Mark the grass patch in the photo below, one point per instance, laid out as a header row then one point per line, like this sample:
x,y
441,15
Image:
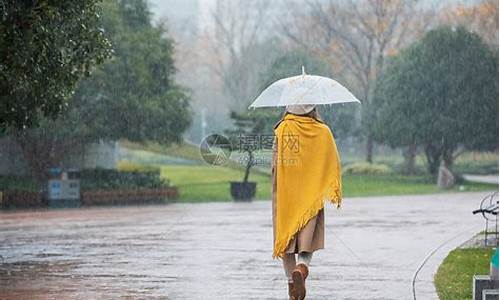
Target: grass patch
x,y
364,168
156,154
453,279
182,150
385,185
471,162
200,183
482,163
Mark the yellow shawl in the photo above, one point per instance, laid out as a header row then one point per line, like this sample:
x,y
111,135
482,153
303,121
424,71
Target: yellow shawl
x,y
307,173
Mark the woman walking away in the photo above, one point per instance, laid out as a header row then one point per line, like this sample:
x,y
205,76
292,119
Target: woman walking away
x,y
306,172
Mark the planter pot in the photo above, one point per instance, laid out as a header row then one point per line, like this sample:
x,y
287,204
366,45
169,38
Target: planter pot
x,y
243,191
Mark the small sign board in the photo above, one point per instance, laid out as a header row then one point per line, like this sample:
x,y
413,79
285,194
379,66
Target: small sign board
x,y
60,189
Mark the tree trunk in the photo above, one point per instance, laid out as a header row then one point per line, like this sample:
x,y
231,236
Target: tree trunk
x,y
249,166
368,120
433,156
448,158
42,151
409,155
369,148
446,178
37,156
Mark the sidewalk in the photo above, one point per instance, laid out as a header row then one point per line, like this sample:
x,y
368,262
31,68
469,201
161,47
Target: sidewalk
x,y
223,250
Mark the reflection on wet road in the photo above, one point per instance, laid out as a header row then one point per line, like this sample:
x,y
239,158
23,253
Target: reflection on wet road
x,y
223,250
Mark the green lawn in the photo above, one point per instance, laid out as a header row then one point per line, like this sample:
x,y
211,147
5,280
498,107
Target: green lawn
x,y
210,183
453,279
182,150
465,163
477,163
381,185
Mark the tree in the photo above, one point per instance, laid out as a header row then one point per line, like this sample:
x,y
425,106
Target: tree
x,y
397,121
246,136
480,18
132,96
442,94
355,37
238,49
47,46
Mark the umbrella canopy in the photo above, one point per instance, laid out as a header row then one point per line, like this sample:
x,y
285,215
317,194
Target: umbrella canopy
x,y
303,89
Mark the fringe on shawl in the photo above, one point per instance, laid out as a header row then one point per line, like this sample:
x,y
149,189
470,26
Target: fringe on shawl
x,y
332,194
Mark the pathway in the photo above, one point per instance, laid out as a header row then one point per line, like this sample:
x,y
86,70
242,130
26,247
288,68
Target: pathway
x,y
223,250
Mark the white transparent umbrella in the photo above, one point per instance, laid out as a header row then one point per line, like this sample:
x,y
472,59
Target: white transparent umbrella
x,y
303,89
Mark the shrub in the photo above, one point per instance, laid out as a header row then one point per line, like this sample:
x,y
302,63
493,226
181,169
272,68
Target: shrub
x,y
364,168
115,179
19,183
128,166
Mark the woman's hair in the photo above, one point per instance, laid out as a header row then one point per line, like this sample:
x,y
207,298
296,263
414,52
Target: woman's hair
x,y
312,114
315,115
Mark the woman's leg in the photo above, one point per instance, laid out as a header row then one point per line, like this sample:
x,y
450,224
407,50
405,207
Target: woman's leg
x,y
289,264
305,258
300,273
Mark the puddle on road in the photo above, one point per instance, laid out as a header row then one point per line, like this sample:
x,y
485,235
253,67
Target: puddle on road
x,y
35,279
62,280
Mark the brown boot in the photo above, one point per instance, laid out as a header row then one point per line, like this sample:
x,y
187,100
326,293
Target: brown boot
x,y
299,276
291,291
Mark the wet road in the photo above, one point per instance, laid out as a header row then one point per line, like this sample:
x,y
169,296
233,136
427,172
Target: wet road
x,y
223,250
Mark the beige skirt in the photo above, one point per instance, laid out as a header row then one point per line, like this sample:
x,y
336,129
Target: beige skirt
x,y
311,237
